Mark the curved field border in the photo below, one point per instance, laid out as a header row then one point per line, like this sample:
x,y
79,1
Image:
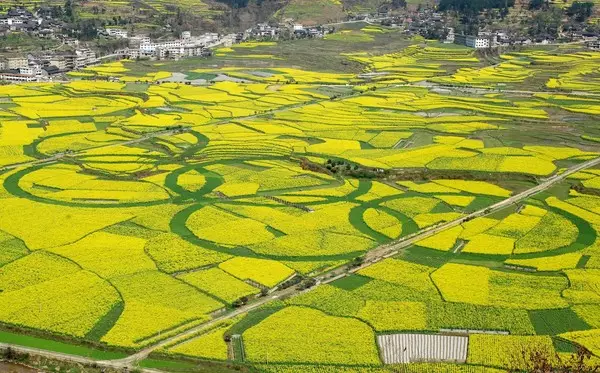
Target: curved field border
x,y
213,181
586,237
11,185
178,226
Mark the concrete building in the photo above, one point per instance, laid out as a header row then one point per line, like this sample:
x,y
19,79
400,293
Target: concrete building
x,y
593,45
58,61
477,42
149,48
85,57
194,51
187,46
16,76
17,62
117,32
33,73
71,42
450,36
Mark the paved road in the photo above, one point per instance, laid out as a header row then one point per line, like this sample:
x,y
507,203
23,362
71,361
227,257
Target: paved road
x,y
130,360
109,56
67,357
369,21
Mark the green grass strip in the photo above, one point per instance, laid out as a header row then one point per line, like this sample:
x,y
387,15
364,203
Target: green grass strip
x,y
65,348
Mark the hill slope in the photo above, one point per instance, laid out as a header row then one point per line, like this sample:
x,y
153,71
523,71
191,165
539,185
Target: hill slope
x,y
211,14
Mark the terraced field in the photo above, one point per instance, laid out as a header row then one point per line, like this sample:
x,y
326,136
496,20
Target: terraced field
x,y
136,210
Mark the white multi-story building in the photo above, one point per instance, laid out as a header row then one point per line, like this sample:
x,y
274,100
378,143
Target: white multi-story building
x,y
85,57
32,73
149,48
17,77
187,46
477,42
117,32
58,61
34,70
228,40
12,21
133,53
26,71
18,62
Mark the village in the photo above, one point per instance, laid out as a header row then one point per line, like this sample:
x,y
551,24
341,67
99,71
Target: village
x,y
74,54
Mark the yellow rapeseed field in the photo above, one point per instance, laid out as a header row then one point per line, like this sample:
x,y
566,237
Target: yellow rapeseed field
x,y
265,272
220,284
137,208
284,337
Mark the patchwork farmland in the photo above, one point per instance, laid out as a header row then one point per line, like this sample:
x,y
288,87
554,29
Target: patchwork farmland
x,y
287,219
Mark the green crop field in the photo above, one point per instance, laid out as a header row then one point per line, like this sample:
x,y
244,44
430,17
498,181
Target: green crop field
x,y
140,210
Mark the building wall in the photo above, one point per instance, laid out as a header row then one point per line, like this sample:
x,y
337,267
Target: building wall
x,y
17,62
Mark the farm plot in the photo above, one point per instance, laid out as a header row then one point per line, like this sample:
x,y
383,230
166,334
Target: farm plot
x,y
339,341
488,77
507,351
479,285
530,231
407,348
416,62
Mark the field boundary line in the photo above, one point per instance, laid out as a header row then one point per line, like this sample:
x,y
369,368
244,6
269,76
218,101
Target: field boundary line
x,y
371,257
375,255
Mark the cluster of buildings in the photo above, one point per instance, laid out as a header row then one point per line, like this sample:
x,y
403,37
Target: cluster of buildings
x,y
200,46
22,20
18,19
186,46
287,29
436,25
117,32
593,45
484,40
40,67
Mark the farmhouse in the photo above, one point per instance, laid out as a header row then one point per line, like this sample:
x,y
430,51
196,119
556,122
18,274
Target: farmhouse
x,y
28,74
187,46
117,32
477,42
593,45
